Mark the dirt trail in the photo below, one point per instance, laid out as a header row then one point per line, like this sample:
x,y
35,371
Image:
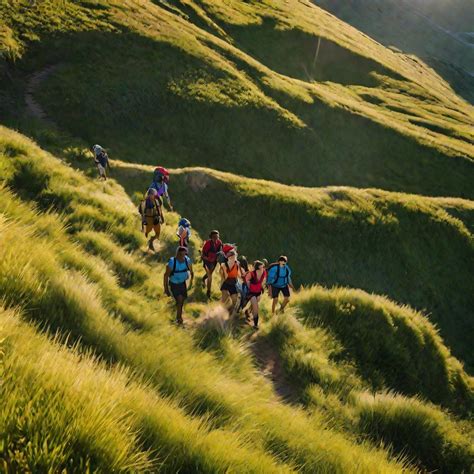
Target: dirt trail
x,y
270,365
34,81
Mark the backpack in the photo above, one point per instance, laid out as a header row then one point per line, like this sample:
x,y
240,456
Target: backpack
x,y
150,208
222,254
277,276
161,174
213,249
173,271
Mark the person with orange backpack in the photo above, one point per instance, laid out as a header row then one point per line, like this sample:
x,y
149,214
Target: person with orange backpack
x,y
255,281
209,252
151,213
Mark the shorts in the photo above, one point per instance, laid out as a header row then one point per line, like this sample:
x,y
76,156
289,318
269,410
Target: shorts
x,y
229,286
179,289
285,291
210,265
101,169
150,225
251,295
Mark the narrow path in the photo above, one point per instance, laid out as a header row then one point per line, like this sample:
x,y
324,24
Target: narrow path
x,y
34,81
270,365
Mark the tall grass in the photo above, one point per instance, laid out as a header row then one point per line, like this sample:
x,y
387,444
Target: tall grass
x,y
51,291
393,346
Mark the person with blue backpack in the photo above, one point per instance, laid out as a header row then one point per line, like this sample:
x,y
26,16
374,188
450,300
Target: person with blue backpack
x,y
178,271
279,281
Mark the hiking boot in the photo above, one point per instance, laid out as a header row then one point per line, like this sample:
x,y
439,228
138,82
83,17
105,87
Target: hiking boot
x,y
247,314
256,327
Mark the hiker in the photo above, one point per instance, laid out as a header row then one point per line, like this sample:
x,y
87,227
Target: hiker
x,y
209,252
184,232
161,178
152,215
279,281
231,271
101,159
255,281
243,287
178,271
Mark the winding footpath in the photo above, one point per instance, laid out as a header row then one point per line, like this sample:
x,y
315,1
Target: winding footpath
x,y
34,81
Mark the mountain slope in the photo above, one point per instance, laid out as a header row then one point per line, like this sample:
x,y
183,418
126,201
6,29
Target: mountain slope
x,y
439,32
155,81
405,246
203,405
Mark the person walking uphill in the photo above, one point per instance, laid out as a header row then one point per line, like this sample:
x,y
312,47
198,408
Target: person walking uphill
x,y
231,272
279,281
178,271
152,215
209,252
255,281
101,159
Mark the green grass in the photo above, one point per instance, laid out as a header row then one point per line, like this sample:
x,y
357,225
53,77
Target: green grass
x,y
65,290
84,325
313,365
401,245
210,94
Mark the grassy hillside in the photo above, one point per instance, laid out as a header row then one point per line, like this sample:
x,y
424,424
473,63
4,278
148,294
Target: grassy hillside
x,y
405,246
155,396
192,83
436,31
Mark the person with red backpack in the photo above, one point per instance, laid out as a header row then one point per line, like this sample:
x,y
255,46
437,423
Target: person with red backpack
x,y
209,252
161,179
255,281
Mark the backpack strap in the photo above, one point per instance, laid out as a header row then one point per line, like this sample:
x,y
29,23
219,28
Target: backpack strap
x,y
174,267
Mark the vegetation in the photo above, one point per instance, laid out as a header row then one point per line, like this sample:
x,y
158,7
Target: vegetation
x,y
436,31
190,84
94,377
401,245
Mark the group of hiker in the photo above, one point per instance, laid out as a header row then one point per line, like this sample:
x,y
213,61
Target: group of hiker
x,y
242,285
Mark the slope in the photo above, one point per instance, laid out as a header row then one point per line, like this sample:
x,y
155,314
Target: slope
x,y
405,246
193,84
161,397
437,31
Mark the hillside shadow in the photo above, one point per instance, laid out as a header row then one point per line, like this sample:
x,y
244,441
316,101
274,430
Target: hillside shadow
x,y
151,102
301,55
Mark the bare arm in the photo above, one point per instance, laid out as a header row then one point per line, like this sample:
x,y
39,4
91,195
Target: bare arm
x,y
166,278
191,271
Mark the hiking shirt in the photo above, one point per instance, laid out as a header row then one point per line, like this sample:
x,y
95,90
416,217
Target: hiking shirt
x,y
161,188
181,270
278,277
254,283
103,159
210,249
232,272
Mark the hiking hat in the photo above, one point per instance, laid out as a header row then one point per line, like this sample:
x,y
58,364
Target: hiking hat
x,y
283,258
182,249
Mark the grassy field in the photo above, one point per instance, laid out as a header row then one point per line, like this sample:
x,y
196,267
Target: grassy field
x,y
401,245
193,85
253,104
85,324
